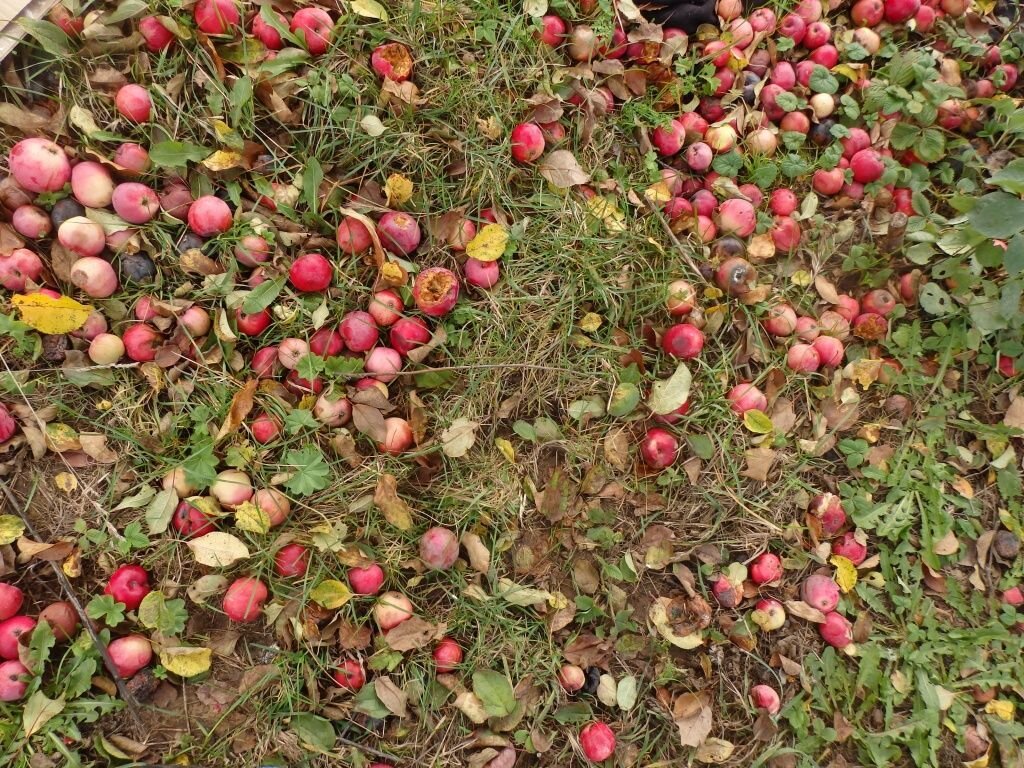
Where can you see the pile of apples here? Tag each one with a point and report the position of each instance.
(15, 625)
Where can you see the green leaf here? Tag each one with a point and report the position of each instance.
(310, 366)
(931, 147)
(160, 511)
(299, 419)
(904, 135)
(998, 214)
(793, 165)
(201, 466)
(39, 710)
(51, 37)
(787, 101)
(366, 701)
(757, 422)
(127, 9)
(728, 164)
(176, 154)
(669, 394)
(577, 712)
(823, 81)
(701, 446)
(1014, 258)
(525, 430)
(312, 176)
(1010, 178)
(935, 301)
(263, 295)
(289, 58)
(168, 617)
(314, 730)
(627, 692)
(104, 608)
(311, 472)
(495, 691)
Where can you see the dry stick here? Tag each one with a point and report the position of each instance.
(86, 622)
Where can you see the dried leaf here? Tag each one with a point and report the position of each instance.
(241, 405)
(472, 707)
(562, 169)
(398, 189)
(369, 421)
(459, 437)
(413, 633)
(714, 751)
(391, 696)
(759, 463)
(691, 712)
(218, 549)
(94, 445)
(394, 509)
(804, 611)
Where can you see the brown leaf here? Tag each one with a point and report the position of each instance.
(691, 712)
(804, 611)
(1015, 413)
(616, 448)
(22, 119)
(258, 677)
(10, 240)
(355, 638)
(38, 550)
(369, 421)
(588, 650)
(554, 499)
(759, 463)
(479, 554)
(563, 170)
(844, 729)
(343, 444)
(420, 353)
(765, 728)
(61, 260)
(394, 509)
(390, 695)
(826, 290)
(193, 261)
(414, 633)
(94, 445)
(241, 405)
(399, 94)
(417, 418)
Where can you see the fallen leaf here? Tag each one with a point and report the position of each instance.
(49, 315)
(488, 244)
(218, 549)
(459, 437)
(714, 751)
(391, 696)
(759, 462)
(846, 573)
(472, 707)
(225, 160)
(479, 555)
(664, 615)
(94, 445)
(369, 9)
(206, 586)
(185, 661)
(616, 448)
(1015, 413)
(562, 169)
(669, 394)
(947, 545)
(804, 611)
(83, 120)
(331, 594)
(413, 633)
(394, 509)
(241, 405)
(252, 519)
(23, 120)
(65, 481)
(691, 712)
(38, 711)
(160, 510)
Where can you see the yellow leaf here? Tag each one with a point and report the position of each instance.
(1001, 708)
(506, 448)
(330, 594)
(398, 189)
(49, 315)
(72, 565)
(249, 517)
(846, 572)
(217, 549)
(658, 193)
(224, 159)
(865, 371)
(714, 751)
(590, 322)
(369, 9)
(608, 211)
(757, 422)
(61, 437)
(394, 508)
(222, 129)
(11, 528)
(489, 243)
(802, 278)
(186, 662)
(65, 481)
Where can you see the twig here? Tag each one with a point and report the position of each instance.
(65, 583)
